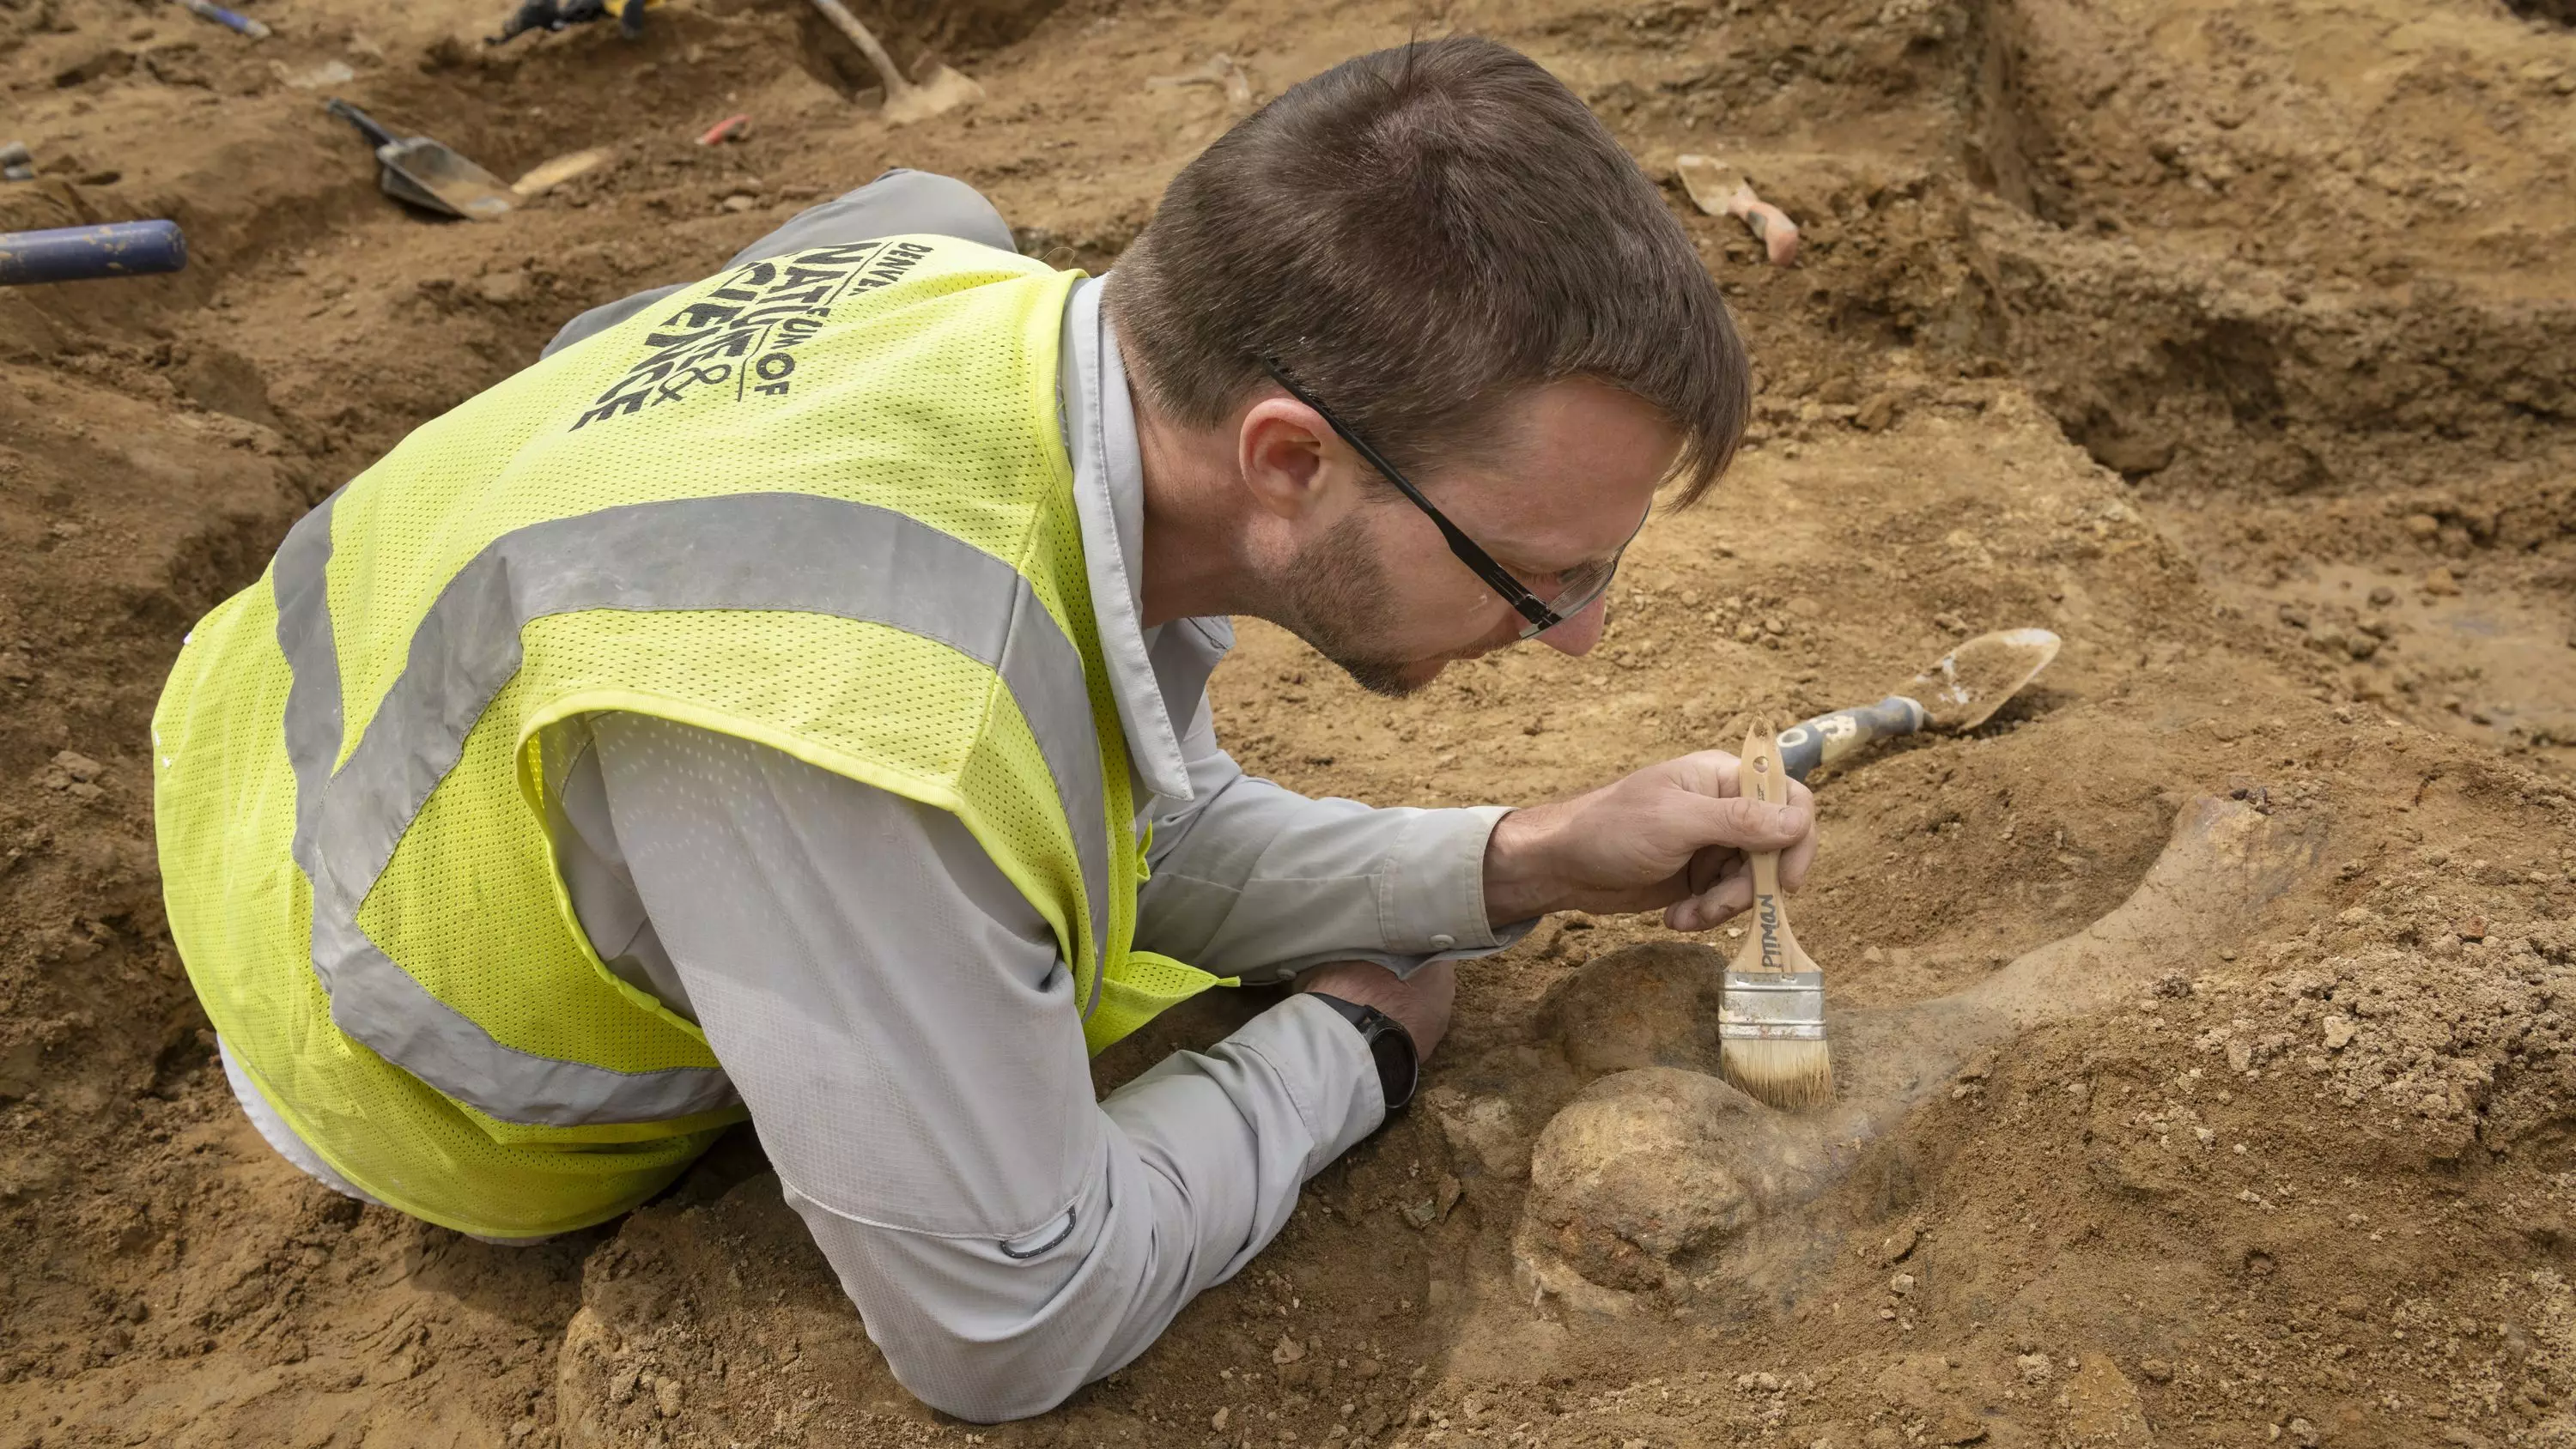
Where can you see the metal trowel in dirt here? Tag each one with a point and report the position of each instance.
(905, 100)
(1961, 691)
(426, 174)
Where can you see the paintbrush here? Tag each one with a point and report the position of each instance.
(1771, 1024)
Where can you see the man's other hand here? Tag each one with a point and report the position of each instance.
(1672, 835)
(1419, 1003)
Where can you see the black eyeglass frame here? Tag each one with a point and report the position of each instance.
(1529, 606)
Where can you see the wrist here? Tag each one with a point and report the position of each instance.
(1391, 1047)
(1519, 883)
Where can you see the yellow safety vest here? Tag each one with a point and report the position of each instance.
(821, 502)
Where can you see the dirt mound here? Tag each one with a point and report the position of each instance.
(2232, 344)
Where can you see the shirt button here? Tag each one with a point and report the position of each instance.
(1443, 942)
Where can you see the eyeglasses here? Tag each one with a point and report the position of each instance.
(1577, 587)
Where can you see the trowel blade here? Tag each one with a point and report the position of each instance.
(1965, 687)
(425, 173)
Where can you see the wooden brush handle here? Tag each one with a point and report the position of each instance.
(1763, 776)
(1769, 946)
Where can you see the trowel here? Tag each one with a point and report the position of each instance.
(905, 101)
(426, 174)
(1960, 691)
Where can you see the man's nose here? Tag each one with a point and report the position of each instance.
(1577, 635)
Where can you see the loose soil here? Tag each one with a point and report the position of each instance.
(2232, 342)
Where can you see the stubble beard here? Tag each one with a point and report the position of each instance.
(1334, 595)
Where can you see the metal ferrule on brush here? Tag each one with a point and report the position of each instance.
(1772, 1006)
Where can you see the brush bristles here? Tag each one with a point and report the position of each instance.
(1787, 1074)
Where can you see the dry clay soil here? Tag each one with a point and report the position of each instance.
(2232, 341)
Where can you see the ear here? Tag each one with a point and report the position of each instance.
(1289, 457)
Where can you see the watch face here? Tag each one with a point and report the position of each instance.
(1396, 1065)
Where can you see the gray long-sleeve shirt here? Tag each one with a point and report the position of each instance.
(897, 1017)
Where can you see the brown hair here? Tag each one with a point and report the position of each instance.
(1417, 235)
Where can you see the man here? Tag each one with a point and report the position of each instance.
(786, 699)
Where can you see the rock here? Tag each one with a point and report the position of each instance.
(741, 201)
(2382, 596)
(2440, 581)
(503, 288)
(621, 1386)
(1485, 1130)
(1893, 1248)
(2422, 525)
(1878, 414)
(79, 766)
(1288, 1351)
(2155, 1370)
(2338, 1032)
(1649, 1168)
(1217, 1420)
(1901, 1285)
(666, 1397)
(2036, 1368)
(2102, 1406)
(1648, 1005)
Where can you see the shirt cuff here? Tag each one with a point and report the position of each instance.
(1433, 903)
(1324, 1063)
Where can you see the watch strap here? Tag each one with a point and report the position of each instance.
(1399, 1066)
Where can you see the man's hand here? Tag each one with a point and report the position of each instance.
(1671, 835)
(1419, 1003)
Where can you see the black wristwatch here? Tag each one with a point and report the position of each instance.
(1399, 1068)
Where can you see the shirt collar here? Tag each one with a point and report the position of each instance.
(1109, 499)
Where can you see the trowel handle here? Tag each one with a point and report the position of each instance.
(376, 134)
(1829, 738)
(896, 83)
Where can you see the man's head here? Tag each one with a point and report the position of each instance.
(1441, 246)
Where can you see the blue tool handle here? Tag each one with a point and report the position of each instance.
(229, 19)
(1832, 737)
(79, 253)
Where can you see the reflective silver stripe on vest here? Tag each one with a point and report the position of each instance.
(783, 551)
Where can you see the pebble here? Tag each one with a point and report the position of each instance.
(2439, 581)
(2156, 1370)
(741, 201)
(1893, 1248)
(666, 1397)
(1288, 1351)
(1217, 1420)
(1901, 1284)
(2338, 1033)
(79, 766)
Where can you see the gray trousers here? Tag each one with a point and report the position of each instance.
(899, 203)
